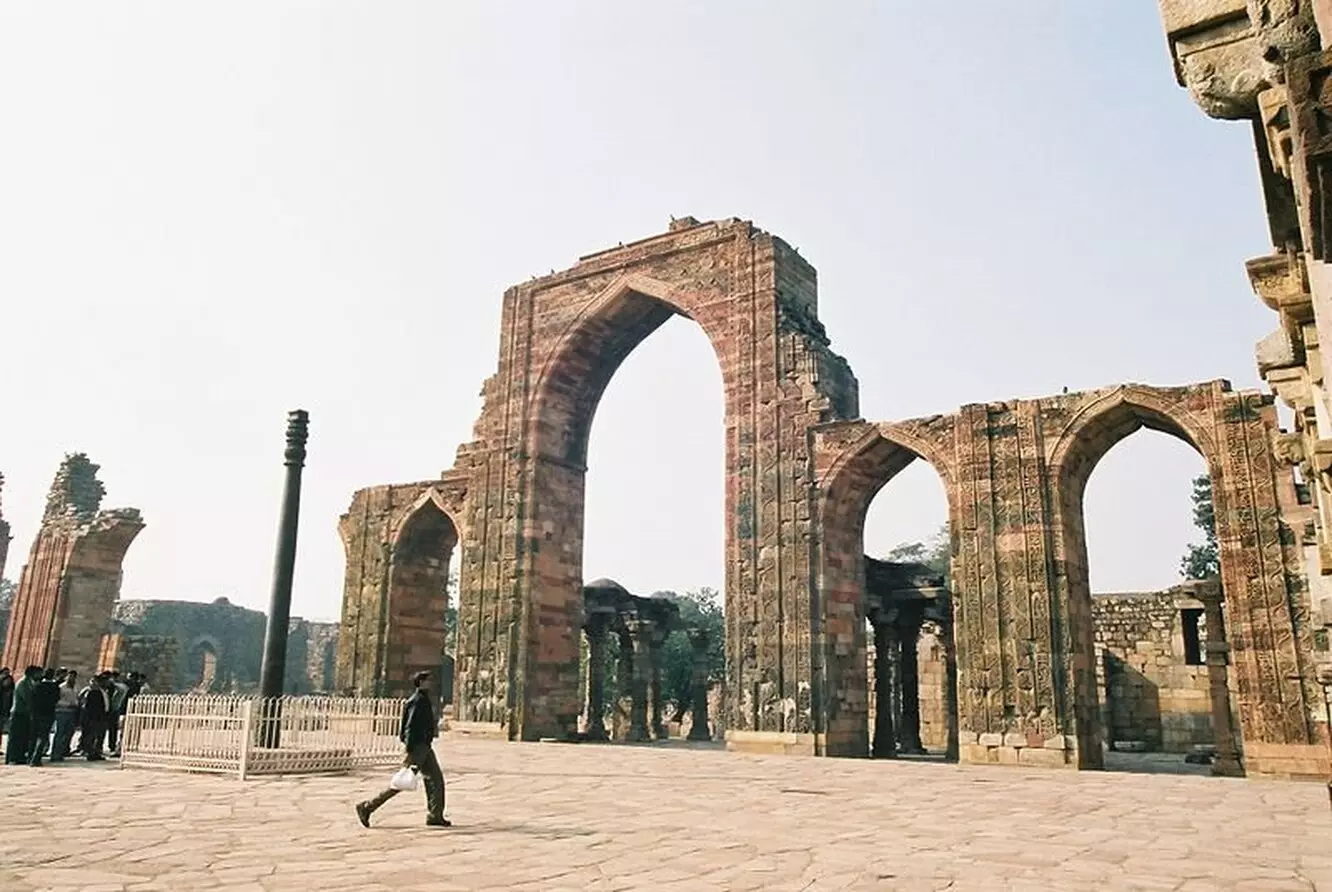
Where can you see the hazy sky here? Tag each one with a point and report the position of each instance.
(213, 213)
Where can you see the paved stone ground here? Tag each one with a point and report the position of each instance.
(565, 817)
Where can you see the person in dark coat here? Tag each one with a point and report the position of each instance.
(6, 698)
(96, 708)
(417, 734)
(20, 719)
(44, 699)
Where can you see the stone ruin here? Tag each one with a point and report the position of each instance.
(72, 579)
(802, 469)
(67, 610)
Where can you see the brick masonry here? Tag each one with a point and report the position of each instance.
(229, 638)
(72, 579)
(1015, 473)
(801, 470)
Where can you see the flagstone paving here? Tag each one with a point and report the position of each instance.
(566, 817)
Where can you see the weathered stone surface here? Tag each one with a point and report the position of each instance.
(514, 496)
(71, 582)
(1154, 684)
(157, 657)
(219, 646)
(542, 818)
(1015, 473)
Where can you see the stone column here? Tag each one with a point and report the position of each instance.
(909, 675)
(624, 665)
(1226, 763)
(640, 631)
(596, 678)
(885, 741)
(699, 640)
(950, 690)
(656, 641)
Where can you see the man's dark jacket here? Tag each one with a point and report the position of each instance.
(44, 700)
(418, 720)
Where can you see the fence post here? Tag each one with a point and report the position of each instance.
(247, 735)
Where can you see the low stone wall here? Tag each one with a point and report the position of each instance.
(1153, 683)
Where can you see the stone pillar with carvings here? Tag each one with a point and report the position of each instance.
(656, 643)
(1226, 763)
(885, 739)
(950, 687)
(640, 632)
(624, 670)
(909, 624)
(699, 642)
(595, 629)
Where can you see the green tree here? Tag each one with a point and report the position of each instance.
(8, 589)
(934, 553)
(1202, 560)
(698, 609)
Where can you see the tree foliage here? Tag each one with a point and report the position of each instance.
(934, 553)
(1202, 560)
(8, 588)
(698, 609)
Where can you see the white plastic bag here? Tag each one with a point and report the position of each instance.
(404, 779)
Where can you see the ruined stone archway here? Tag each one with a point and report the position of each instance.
(413, 623)
(852, 463)
(563, 336)
(1261, 576)
(400, 542)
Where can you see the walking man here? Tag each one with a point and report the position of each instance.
(418, 733)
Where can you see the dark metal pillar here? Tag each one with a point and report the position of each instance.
(274, 668)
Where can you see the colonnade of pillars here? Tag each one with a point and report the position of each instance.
(638, 673)
(897, 630)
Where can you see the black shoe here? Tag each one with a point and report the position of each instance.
(363, 814)
(438, 822)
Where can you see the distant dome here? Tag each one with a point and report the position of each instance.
(222, 600)
(606, 585)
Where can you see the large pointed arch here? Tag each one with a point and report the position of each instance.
(591, 348)
(863, 463)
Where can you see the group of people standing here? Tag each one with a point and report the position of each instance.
(40, 712)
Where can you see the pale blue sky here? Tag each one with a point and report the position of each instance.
(211, 214)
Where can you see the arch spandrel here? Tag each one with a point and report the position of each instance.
(1101, 419)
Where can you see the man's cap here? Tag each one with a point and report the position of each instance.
(420, 676)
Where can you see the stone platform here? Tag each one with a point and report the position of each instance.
(599, 817)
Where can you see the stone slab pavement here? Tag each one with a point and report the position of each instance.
(598, 817)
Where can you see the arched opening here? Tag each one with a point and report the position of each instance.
(201, 667)
(655, 455)
(1139, 541)
(888, 615)
(418, 597)
(910, 664)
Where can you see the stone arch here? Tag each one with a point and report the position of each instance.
(591, 349)
(845, 491)
(203, 665)
(562, 339)
(1260, 573)
(422, 542)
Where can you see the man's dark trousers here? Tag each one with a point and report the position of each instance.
(422, 756)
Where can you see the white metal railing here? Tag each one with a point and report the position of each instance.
(226, 734)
